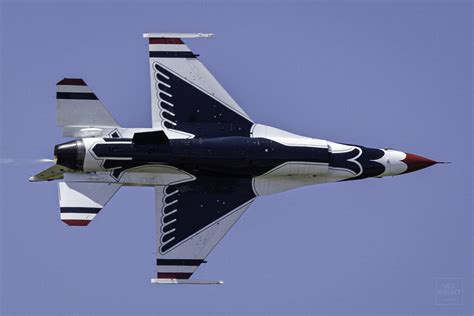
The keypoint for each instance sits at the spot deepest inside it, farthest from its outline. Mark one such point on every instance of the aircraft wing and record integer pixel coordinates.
(186, 100)
(192, 217)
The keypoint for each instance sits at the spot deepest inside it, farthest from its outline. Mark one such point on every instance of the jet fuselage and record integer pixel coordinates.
(234, 156)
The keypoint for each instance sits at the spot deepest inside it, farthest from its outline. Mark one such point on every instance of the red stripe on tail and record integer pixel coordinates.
(76, 222)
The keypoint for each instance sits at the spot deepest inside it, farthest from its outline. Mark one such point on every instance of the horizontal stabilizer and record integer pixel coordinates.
(80, 202)
(78, 106)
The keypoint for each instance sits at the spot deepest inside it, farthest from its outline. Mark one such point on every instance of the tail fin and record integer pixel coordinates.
(78, 108)
(80, 202)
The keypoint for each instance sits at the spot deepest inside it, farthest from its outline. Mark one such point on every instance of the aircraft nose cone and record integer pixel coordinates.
(415, 162)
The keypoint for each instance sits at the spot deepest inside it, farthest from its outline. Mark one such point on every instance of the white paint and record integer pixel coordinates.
(186, 281)
(71, 88)
(91, 132)
(339, 148)
(91, 162)
(285, 138)
(177, 35)
(392, 160)
(266, 185)
(168, 48)
(78, 216)
(83, 194)
(83, 113)
(155, 175)
(95, 177)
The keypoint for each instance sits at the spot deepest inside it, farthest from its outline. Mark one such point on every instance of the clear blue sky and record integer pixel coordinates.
(380, 74)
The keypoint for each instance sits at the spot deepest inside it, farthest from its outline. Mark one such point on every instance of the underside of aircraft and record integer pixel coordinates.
(204, 156)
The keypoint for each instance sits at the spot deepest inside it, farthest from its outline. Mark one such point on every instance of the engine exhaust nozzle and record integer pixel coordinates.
(70, 155)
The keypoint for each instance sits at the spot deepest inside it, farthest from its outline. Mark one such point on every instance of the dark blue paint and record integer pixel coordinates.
(195, 111)
(200, 203)
(223, 156)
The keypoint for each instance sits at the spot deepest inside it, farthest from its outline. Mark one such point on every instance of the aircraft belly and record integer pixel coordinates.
(157, 175)
(290, 175)
(243, 156)
(206, 160)
(229, 156)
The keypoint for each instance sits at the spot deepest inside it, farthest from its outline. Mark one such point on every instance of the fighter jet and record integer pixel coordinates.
(206, 159)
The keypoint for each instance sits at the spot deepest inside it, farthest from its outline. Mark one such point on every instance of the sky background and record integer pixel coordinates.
(375, 73)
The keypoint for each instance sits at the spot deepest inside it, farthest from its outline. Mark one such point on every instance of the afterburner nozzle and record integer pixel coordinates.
(70, 154)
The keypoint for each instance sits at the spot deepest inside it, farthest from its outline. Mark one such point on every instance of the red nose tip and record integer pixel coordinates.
(415, 162)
